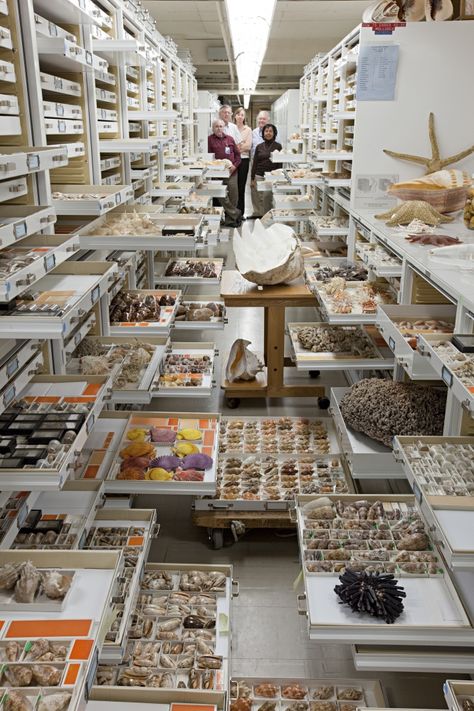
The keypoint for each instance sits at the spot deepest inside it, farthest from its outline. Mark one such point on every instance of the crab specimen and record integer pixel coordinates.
(413, 209)
(434, 163)
(437, 240)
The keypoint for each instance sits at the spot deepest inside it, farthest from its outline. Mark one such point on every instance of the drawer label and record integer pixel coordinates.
(12, 367)
(447, 376)
(19, 230)
(95, 293)
(50, 262)
(33, 161)
(9, 395)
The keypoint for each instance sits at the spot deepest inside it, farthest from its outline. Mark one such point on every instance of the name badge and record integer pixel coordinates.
(227, 150)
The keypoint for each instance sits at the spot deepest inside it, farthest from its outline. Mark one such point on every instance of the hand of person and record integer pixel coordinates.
(232, 169)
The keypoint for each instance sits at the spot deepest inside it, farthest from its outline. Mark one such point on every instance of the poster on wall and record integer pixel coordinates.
(377, 72)
(370, 191)
(467, 9)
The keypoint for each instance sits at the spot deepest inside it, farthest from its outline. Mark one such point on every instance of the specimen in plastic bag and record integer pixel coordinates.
(373, 594)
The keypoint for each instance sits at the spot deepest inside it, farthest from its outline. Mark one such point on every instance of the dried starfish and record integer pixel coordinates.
(437, 240)
(413, 209)
(435, 162)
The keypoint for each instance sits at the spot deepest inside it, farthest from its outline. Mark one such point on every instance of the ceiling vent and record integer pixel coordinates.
(216, 54)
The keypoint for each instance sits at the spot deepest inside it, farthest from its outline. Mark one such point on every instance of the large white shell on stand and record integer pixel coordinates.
(242, 363)
(268, 256)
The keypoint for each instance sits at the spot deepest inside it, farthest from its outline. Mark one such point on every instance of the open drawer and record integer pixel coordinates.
(15, 355)
(193, 270)
(356, 304)
(158, 324)
(132, 531)
(440, 471)
(366, 457)
(14, 508)
(187, 370)
(54, 415)
(204, 672)
(451, 365)
(196, 433)
(359, 348)
(456, 692)
(62, 519)
(133, 363)
(60, 300)
(433, 613)
(179, 189)
(401, 324)
(89, 199)
(200, 312)
(24, 160)
(17, 221)
(412, 659)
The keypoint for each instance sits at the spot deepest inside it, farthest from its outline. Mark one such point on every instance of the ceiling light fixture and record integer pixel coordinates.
(249, 26)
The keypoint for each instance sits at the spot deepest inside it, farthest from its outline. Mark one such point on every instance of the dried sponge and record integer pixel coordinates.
(382, 409)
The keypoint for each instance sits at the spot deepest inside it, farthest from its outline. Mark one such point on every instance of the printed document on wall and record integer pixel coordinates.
(377, 72)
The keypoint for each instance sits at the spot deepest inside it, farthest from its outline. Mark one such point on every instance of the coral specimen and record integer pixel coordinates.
(382, 409)
(321, 339)
(404, 213)
(242, 363)
(435, 163)
(437, 240)
(268, 256)
(373, 594)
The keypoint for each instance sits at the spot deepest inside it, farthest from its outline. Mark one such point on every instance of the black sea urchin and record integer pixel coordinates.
(374, 594)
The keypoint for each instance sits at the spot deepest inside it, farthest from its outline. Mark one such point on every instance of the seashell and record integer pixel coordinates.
(241, 704)
(12, 651)
(170, 625)
(55, 702)
(242, 363)
(167, 462)
(193, 622)
(203, 647)
(28, 583)
(154, 610)
(167, 681)
(46, 675)
(9, 574)
(268, 256)
(18, 676)
(166, 662)
(197, 461)
(55, 584)
(186, 662)
(162, 436)
(190, 434)
(38, 649)
(209, 661)
(16, 701)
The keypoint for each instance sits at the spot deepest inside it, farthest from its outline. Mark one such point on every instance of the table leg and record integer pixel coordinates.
(275, 347)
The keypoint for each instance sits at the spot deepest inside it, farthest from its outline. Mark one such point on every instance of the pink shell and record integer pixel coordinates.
(162, 435)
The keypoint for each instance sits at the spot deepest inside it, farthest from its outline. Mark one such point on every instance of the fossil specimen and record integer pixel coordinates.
(375, 595)
(28, 583)
(55, 702)
(16, 701)
(55, 584)
(268, 256)
(242, 363)
(404, 213)
(435, 163)
(382, 409)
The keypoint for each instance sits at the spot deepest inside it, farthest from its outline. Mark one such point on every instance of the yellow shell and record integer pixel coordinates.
(189, 434)
(184, 448)
(159, 474)
(137, 434)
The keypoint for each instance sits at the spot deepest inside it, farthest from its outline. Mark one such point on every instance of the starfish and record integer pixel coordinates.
(434, 163)
(413, 210)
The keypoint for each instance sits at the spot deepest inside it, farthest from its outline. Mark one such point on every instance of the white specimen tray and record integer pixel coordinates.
(58, 53)
(152, 328)
(110, 197)
(23, 160)
(307, 360)
(301, 202)
(216, 322)
(433, 612)
(15, 355)
(356, 316)
(87, 282)
(412, 659)
(456, 691)
(367, 458)
(388, 316)
(282, 216)
(162, 266)
(135, 393)
(194, 350)
(443, 367)
(180, 189)
(120, 422)
(41, 603)
(333, 231)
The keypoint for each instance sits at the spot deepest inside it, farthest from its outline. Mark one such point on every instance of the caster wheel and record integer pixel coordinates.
(233, 402)
(323, 403)
(217, 538)
(314, 373)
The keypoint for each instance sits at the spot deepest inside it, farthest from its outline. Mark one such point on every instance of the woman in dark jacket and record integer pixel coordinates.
(262, 164)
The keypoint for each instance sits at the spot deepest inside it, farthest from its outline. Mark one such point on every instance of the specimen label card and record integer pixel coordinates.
(377, 72)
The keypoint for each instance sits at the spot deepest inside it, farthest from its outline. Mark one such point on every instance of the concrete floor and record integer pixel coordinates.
(269, 637)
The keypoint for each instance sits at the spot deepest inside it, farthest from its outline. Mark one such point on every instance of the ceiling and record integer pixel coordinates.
(300, 29)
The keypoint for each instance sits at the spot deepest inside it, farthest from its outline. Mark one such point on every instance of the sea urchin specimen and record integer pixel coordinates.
(371, 593)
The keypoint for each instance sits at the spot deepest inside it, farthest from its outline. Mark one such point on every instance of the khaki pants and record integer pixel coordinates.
(262, 202)
(230, 201)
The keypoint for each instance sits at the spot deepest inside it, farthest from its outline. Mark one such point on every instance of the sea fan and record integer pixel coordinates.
(371, 593)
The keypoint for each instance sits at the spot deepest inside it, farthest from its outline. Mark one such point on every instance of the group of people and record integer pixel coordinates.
(246, 150)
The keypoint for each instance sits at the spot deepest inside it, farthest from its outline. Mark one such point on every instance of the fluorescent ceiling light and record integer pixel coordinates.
(249, 25)
(246, 101)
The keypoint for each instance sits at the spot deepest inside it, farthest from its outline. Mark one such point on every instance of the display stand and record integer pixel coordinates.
(217, 521)
(238, 292)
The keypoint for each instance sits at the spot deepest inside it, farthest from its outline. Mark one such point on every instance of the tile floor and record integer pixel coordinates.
(269, 637)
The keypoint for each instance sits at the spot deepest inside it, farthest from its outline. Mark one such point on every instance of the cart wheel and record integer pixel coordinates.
(323, 403)
(314, 373)
(232, 402)
(217, 538)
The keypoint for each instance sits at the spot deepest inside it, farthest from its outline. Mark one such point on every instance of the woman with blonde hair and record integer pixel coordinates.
(245, 146)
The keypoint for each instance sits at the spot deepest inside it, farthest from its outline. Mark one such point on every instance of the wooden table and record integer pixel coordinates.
(238, 292)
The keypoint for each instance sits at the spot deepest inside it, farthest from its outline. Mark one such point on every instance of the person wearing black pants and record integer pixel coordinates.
(245, 146)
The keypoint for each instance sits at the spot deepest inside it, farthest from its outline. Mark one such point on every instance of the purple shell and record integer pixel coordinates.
(161, 435)
(167, 461)
(197, 461)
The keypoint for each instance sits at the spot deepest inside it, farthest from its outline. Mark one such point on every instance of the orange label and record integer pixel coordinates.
(71, 674)
(81, 649)
(32, 629)
(80, 398)
(91, 472)
(47, 398)
(193, 707)
(209, 438)
(92, 389)
(135, 541)
(203, 424)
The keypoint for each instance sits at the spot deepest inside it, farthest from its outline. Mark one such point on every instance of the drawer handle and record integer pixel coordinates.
(301, 604)
(235, 588)
(16, 188)
(155, 531)
(29, 278)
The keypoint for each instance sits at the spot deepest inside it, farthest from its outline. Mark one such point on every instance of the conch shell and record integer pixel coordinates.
(28, 583)
(268, 256)
(242, 363)
(439, 180)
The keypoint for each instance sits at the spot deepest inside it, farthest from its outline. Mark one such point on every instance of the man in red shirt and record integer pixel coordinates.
(224, 147)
